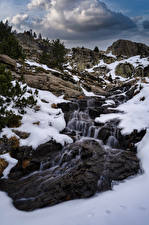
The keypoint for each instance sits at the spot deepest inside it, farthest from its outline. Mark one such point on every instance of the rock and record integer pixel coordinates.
(102, 70)
(85, 58)
(108, 60)
(125, 70)
(97, 90)
(3, 165)
(22, 135)
(128, 48)
(139, 71)
(54, 84)
(146, 71)
(82, 169)
(9, 61)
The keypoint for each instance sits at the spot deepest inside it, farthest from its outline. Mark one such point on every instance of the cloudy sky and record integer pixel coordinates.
(80, 22)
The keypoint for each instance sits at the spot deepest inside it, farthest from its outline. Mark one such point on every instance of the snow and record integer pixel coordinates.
(45, 67)
(11, 163)
(111, 55)
(87, 93)
(69, 67)
(76, 78)
(134, 114)
(42, 125)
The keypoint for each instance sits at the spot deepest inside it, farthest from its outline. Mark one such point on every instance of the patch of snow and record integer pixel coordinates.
(11, 163)
(19, 65)
(87, 93)
(69, 67)
(109, 102)
(91, 70)
(76, 78)
(111, 55)
(45, 67)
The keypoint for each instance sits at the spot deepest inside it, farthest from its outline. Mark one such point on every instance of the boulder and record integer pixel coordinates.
(128, 48)
(54, 84)
(125, 70)
(9, 61)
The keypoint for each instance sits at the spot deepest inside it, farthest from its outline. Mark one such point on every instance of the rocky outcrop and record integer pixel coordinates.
(9, 61)
(128, 48)
(85, 58)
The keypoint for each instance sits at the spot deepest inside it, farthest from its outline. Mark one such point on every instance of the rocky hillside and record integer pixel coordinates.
(69, 132)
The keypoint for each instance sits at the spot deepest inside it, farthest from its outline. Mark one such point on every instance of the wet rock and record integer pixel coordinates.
(84, 168)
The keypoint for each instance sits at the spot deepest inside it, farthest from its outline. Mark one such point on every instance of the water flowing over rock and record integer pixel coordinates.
(99, 156)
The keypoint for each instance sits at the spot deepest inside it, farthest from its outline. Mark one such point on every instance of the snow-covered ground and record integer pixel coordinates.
(126, 204)
(42, 125)
(135, 112)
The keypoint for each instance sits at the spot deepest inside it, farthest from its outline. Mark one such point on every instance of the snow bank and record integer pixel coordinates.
(42, 125)
(134, 112)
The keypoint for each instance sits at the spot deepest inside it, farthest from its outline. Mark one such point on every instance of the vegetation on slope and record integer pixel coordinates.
(8, 42)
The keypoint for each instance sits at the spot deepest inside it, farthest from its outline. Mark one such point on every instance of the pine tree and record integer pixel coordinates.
(8, 42)
(96, 49)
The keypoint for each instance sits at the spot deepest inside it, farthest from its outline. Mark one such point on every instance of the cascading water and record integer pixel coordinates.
(83, 125)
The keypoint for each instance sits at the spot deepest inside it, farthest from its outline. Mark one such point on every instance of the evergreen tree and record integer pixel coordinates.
(96, 49)
(8, 42)
(40, 36)
(35, 35)
(56, 56)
